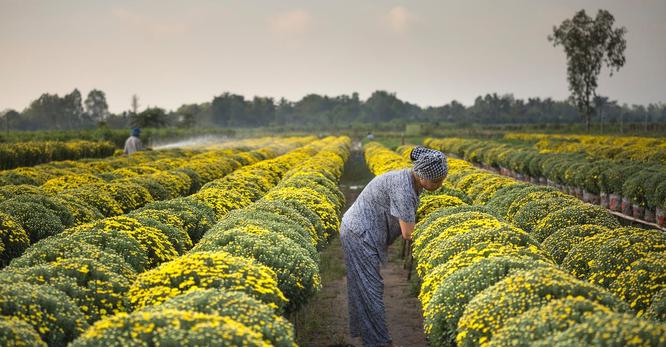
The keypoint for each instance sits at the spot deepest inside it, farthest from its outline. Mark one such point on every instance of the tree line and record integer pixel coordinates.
(71, 111)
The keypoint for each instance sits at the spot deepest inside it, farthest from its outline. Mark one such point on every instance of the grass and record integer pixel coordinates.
(315, 317)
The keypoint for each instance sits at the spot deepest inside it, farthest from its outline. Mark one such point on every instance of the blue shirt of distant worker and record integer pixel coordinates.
(385, 209)
(133, 143)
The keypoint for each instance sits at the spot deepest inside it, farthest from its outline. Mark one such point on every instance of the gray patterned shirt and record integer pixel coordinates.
(375, 213)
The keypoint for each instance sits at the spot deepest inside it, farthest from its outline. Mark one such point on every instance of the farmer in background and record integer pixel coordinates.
(133, 143)
(385, 209)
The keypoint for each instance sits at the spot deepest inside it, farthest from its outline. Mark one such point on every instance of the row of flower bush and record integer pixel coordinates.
(122, 166)
(583, 238)
(29, 214)
(631, 148)
(263, 254)
(629, 187)
(485, 281)
(66, 282)
(31, 153)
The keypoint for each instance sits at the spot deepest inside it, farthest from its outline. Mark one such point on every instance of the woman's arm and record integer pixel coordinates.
(407, 229)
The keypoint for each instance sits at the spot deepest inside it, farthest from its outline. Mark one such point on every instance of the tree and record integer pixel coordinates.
(152, 117)
(9, 116)
(135, 104)
(589, 44)
(96, 107)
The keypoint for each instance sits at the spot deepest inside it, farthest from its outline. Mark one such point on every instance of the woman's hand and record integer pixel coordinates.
(407, 229)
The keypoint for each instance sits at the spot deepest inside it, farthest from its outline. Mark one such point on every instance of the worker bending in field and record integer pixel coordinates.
(385, 209)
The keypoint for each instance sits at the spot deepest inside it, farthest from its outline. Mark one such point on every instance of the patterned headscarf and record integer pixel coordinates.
(429, 163)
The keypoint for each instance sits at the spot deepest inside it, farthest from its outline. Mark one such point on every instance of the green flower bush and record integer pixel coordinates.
(642, 281)
(53, 315)
(603, 257)
(560, 243)
(297, 273)
(206, 270)
(93, 287)
(13, 239)
(453, 294)
(542, 323)
(657, 309)
(238, 306)
(15, 332)
(489, 311)
(153, 242)
(37, 221)
(196, 216)
(574, 215)
(110, 241)
(169, 327)
(52, 249)
(612, 329)
(528, 216)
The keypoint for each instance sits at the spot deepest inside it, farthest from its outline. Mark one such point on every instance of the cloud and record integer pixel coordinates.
(152, 26)
(291, 22)
(400, 19)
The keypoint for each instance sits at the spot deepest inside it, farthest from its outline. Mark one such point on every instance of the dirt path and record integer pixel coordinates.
(324, 321)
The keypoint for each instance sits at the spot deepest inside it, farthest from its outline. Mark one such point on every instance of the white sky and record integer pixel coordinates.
(428, 52)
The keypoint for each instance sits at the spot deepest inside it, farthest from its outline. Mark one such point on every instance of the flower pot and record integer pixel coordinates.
(591, 197)
(660, 214)
(615, 202)
(638, 211)
(626, 206)
(603, 200)
(571, 190)
(649, 215)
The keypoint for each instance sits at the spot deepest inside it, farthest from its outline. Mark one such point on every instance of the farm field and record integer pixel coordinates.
(526, 243)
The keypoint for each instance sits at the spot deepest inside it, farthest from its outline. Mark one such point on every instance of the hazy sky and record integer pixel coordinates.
(428, 52)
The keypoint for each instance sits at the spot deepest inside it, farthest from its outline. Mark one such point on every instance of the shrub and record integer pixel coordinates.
(430, 203)
(49, 311)
(60, 247)
(270, 221)
(560, 243)
(37, 221)
(657, 309)
(154, 244)
(58, 184)
(15, 332)
(99, 199)
(13, 239)
(464, 259)
(534, 211)
(206, 270)
(168, 327)
(574, 215)
(544, 322)
(602, 257)
(297, 274)
(238, 306)
(196, 216)
(612, 329)
(452, 295)
(641, 282)
(489, 311)
(94, 287)
(112, 241)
